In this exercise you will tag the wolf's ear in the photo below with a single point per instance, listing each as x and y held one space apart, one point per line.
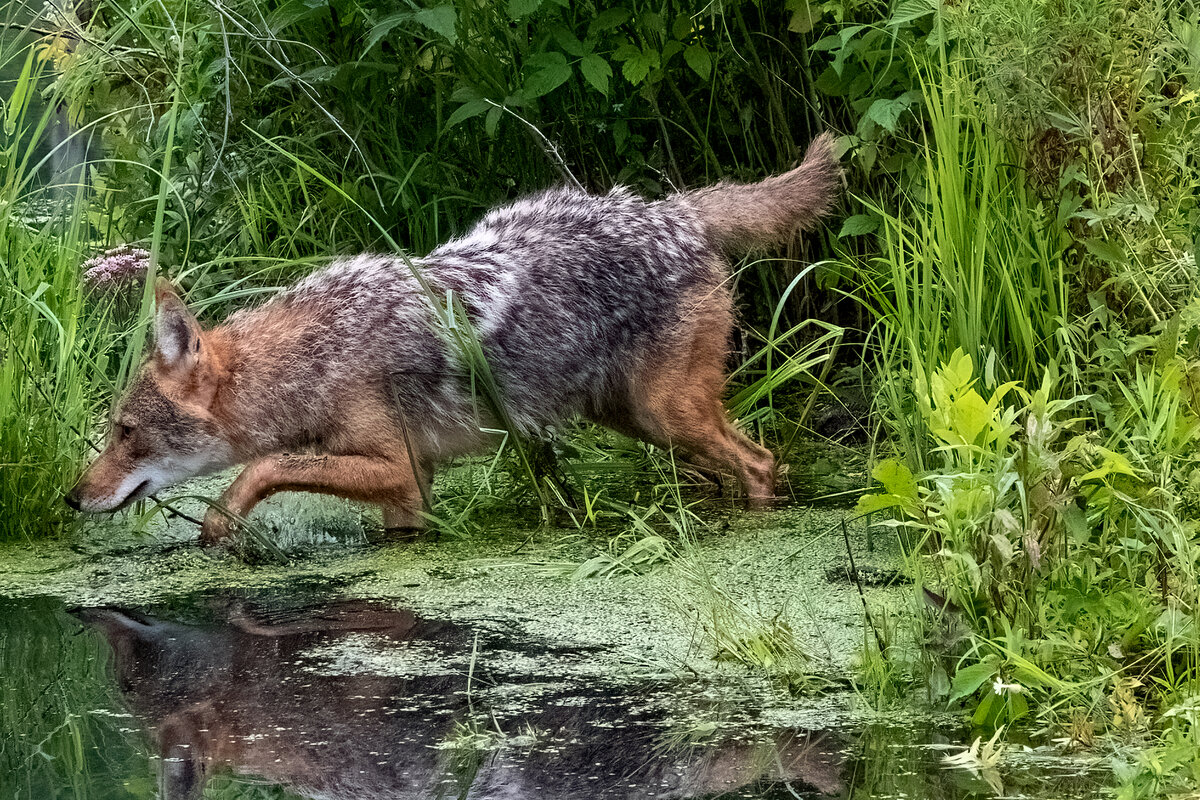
177 339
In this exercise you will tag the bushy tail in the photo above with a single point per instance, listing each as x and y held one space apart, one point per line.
753 215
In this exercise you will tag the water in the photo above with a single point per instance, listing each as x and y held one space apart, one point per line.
282 694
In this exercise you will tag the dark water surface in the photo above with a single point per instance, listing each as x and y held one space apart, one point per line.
245 696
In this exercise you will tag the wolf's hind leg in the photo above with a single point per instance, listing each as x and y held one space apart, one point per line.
676 401
699 428
388 482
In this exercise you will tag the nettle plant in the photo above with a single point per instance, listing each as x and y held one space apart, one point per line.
1028 538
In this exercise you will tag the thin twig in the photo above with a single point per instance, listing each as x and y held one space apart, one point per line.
861 594
549 147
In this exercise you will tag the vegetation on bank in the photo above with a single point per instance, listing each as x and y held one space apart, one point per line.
1013 280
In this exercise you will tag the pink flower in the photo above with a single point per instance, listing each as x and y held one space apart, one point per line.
116 268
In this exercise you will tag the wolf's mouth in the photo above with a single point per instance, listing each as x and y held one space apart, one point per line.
134 496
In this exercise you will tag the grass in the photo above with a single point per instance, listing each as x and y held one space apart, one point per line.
968 262
50 370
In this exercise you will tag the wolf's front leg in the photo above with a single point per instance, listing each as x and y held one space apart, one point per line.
388 482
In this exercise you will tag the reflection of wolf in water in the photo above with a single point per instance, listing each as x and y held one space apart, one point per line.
239 698
605 306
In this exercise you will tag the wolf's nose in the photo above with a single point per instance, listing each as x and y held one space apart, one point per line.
72 499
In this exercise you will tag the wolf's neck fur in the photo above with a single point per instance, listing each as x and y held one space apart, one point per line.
259 406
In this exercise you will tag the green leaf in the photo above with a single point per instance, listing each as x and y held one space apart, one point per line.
626 52
988 711
859 225
900 490
682 27
1105 250
911 10
804 16
970 416
1075 522
464 93
384 27
886 113
608 19
699 60
596 71
552 71
492 120
1113 464
968 679
870 503
522 8
442 20
826 43
570 43
637 67
471 108
896 478
652 22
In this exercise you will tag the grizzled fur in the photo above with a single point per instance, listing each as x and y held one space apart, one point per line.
608 306
569 294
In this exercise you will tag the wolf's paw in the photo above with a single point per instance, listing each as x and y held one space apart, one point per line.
217 528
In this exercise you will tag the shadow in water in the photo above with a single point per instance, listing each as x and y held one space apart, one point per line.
249 699
361 701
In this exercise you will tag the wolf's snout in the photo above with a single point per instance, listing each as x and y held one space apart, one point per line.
72 498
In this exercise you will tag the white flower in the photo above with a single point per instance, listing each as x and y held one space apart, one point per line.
1000 687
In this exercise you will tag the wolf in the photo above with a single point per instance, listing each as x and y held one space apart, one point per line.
349 383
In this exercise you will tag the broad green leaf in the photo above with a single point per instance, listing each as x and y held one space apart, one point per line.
638 67
608 19
626 52
492 120
1113 464
990 707
896 478
552 71
596 71
970 416
652 22
522 8
870 503
699 60
682 27
1075 522
464 93
384 27
886 113
570 43
911 10
859 225
968 679
1105 250
826 43
804 16
442 20
471 108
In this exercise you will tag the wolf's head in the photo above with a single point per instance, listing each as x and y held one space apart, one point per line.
163 430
